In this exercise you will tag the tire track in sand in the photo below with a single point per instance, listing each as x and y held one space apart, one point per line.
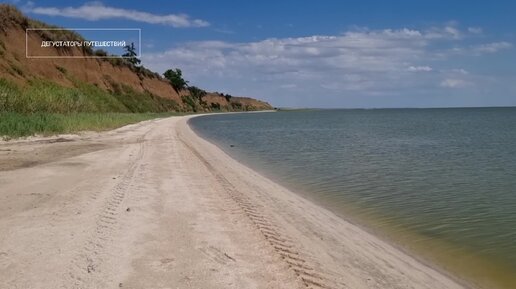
87 267
299 261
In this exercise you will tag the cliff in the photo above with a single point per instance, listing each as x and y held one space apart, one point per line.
116 84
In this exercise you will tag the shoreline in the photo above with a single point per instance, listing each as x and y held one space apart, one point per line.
372 235
154 205
468 265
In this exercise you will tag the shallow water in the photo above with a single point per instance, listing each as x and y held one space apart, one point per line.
439 181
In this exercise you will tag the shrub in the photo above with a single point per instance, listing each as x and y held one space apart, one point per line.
175 77
236 105
197 93
144 72
189 102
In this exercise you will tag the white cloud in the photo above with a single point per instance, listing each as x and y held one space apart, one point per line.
475 30
458 78
460 71
455 83
419 68
371 51
446 32
454 32
491 47
372 62
97 11
360 63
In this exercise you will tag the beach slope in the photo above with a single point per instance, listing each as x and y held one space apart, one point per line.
153 205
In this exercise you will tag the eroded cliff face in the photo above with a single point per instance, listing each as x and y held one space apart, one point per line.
107 74
15 66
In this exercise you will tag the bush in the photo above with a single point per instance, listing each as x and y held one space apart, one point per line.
197 93
175 77
189 102
236 105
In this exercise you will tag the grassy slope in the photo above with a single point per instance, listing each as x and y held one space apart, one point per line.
46 108
14 125
44 96
43 107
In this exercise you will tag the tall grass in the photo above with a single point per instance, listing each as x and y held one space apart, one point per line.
14 124
45 96
43 107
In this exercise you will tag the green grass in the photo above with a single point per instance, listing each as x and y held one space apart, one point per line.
14 124
45 96
45 108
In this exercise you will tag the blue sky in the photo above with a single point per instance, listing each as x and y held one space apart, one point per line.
321 53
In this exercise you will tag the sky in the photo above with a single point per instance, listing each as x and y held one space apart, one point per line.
326 53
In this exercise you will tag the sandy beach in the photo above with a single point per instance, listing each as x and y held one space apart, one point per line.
153 205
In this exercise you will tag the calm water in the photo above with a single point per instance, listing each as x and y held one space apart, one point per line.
440 181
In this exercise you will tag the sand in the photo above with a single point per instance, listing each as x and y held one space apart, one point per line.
153 205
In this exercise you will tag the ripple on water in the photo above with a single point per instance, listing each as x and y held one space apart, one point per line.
439 180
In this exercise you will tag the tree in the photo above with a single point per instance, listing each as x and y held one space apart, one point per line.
131 54
175 77
197 92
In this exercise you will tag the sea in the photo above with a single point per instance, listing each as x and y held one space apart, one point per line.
438 183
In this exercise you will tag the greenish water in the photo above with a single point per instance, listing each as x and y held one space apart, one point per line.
442 182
